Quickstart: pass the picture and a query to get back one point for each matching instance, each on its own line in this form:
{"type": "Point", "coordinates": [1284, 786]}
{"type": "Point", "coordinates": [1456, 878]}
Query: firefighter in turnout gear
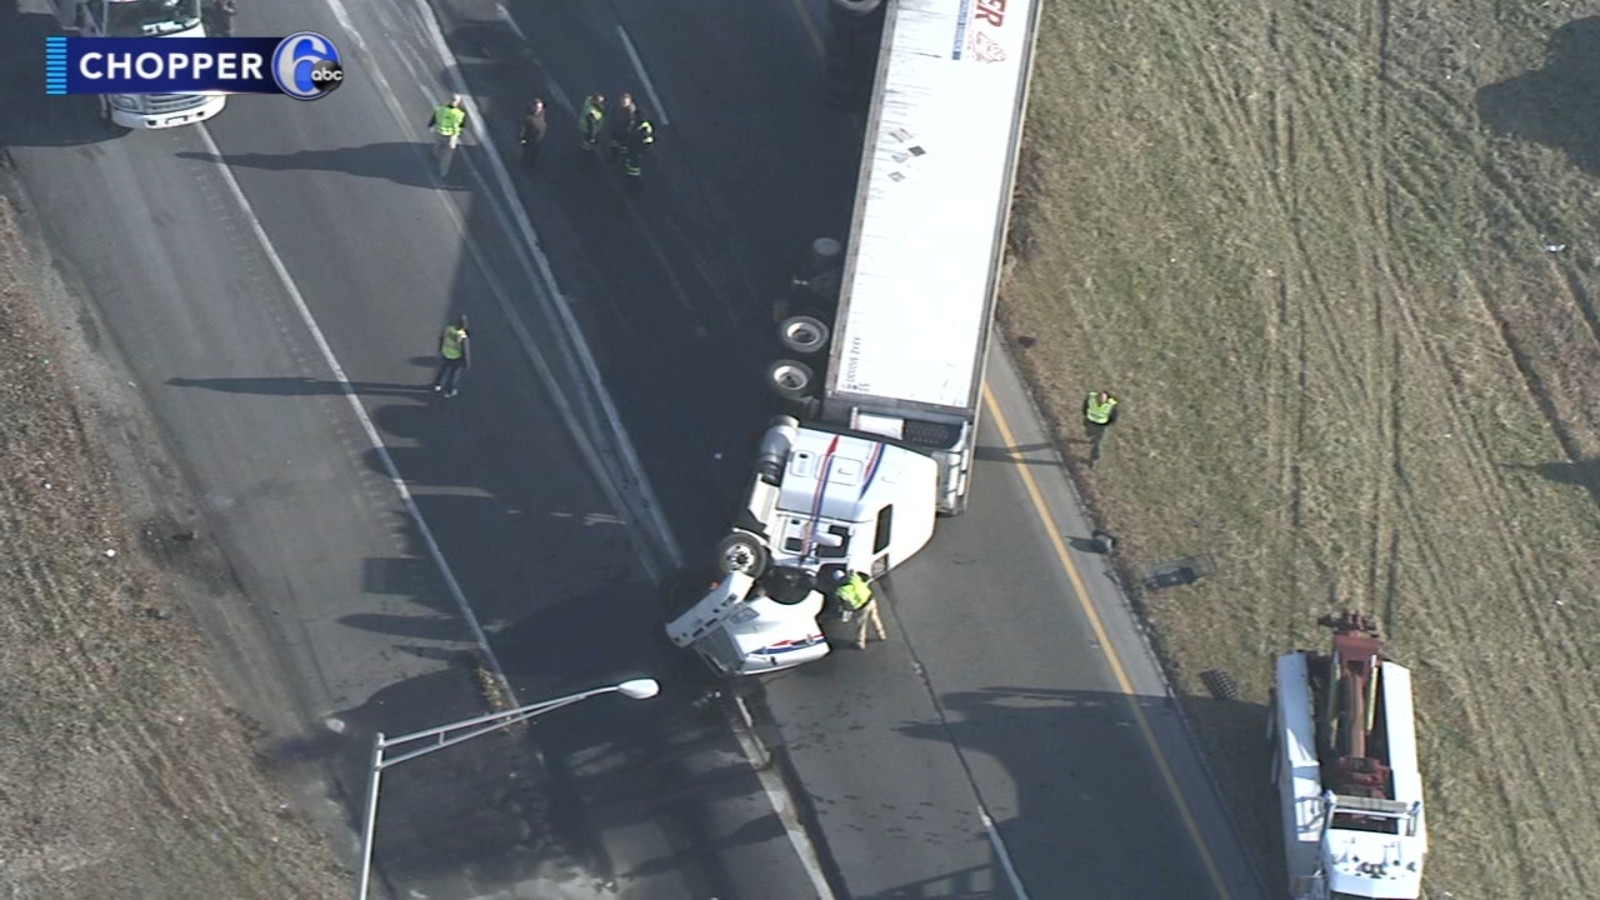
{"type": "Point", "coordinates": [592, 120]}
{"type": "Point", "coordinates": [640, 137]}
{"type": "Point", "coordinates": [1099, 411]}
{"type": "Point", "coordinates": [622, 119]}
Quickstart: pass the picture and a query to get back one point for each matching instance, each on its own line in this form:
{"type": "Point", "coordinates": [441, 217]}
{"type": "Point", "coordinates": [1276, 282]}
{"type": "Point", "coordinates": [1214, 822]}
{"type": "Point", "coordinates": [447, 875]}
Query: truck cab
{"type": "Point", "coordinates": [143, 18]}
{"type": "Point", "coordinates": [819, 498]}
{"type": "Point", "coordinates": [823, 497]}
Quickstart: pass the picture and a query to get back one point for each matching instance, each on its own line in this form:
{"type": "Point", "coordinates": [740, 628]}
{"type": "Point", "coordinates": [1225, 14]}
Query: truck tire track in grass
{"type": "Point", "coordinates": [1352, 371]}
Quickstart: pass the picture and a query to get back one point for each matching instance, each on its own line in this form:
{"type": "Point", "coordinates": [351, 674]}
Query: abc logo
{"type": "Point", "coordinates": [306, 66]}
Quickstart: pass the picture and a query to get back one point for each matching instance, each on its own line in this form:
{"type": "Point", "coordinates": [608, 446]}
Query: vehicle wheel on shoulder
{"type": "Point", "coordinates": [803, 334]}
{"type": "Point", "coordinates": [741, 552]}
{"type": "Point", "coordinates": [792, 379]}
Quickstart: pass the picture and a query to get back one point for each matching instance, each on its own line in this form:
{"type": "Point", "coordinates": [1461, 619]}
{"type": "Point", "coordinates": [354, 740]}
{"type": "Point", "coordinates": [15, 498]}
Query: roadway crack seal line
{"type": "Point", "coordinates": [350, 394]}
{"type": "Point", "coordinates": [1109, 651]}
{"type": "Point", "coordinates": [995, 840]}
{"type": "Point", "coordinates": [611, 474]}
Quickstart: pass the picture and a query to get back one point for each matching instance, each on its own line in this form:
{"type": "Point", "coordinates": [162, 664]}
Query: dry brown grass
{"type": "Point", "coordinates": [1284, 233]}
{"type": "Point", "coordinates": [122, 772]}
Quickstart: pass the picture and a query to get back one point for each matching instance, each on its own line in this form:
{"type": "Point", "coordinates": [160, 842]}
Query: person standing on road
{"type": "Point", "coordinates": [447, 121]}
{"type": "Point", "coordinates": [533, 128]}
{"type": "Point", "coordinates": [640, 137]}
{"type": "Point", "coordinates": [855, 603]}
{"type": "Point", "coordinates": [592, 120]}
{"type": "Point", "coordinates": [1099, 411]}
{"type": "Point", "coordinates": [455, 356]}
{"type": "Point", "coordinates": [622, 118]}
{"type": "Point", "coordinates": [217, 17]}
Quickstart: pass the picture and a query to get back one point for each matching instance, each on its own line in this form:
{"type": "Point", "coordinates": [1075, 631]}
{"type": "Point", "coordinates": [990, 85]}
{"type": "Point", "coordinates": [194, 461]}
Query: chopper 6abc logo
{"type": "Point", "coordinates": [306, 66]}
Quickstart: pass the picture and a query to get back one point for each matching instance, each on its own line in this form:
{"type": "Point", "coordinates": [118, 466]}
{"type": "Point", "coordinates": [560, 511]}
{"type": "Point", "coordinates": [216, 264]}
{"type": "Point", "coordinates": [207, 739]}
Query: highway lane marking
{"type": "Point", "coordinates": [1104, 639]}
{"type": "Point", "coordinates": [299, 300]}
{"type": "Point", "coordinates": [782, 803]}
{"type": "Point", "coordinates": [638, 66]}
{"type": "Point", "coordinates": [1017, 890]}
{"type": "Point", "coordinates": [652, 520]}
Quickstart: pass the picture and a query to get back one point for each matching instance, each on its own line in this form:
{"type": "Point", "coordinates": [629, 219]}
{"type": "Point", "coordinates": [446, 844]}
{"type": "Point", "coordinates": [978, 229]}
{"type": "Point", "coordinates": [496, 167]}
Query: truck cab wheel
{"type": "Point", "coordinates": [741, 552]}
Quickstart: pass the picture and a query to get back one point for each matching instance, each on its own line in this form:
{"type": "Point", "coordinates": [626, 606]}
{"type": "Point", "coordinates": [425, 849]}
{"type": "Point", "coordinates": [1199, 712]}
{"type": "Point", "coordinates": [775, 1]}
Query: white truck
{"type": "Point", "coordinates": [858, 477]}
{"type": "Point", "coordinates": [143, 18]}
{"type": "Point", "coordinates": [1345, 764]}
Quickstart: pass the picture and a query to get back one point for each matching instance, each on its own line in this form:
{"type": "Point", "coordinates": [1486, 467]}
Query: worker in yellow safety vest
{"type": "Point", "coordinates": [1099, 411]}
{"type": "Point", "coordinates": [448, 120]}
{"type": "Point", "coordinates": [858, 605]}
{"type": "Point", "coordinates": [454, 357]}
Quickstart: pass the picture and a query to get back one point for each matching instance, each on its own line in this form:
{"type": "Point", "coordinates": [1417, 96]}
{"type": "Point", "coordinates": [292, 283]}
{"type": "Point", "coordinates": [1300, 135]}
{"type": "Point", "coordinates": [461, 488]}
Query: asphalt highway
{"type": "Point", "coordinates": [990, 744]}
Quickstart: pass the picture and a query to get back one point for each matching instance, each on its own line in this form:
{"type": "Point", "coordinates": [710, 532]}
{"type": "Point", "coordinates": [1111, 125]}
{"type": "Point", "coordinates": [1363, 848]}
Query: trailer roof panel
{"type": "Point", "coordinates": [934, 195]}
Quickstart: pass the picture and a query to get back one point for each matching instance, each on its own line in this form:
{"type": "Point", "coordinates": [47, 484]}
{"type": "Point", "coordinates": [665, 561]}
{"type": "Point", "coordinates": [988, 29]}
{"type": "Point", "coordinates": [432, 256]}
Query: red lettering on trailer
{"type": "Point", "coordinates": [992, 11]}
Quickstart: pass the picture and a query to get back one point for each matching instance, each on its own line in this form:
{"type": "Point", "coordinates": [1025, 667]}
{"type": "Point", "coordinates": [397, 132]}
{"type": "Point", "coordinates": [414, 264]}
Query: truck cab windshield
{"type": "Point", "coordinates": [151, 18]}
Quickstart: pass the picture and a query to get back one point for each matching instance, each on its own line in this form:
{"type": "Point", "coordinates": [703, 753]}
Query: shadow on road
{"type": "Point", "coordinates": [1019, 455]}
{"type": "Point", "coordinates": [299, 386]}
{"type": "Point", "coordinates": [1558, 104]}
{"type": "Point", "coordinates": [402, 162]}
{"type": "Point", "coordinates": [29, 117]}
{"type": "Point", "coordinates": [1078, 821]}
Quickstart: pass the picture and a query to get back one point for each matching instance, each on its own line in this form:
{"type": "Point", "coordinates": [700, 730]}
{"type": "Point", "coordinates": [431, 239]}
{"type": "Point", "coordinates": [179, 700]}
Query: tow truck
{"type": "Point", "coordinates": [143, 18]}
{"type": "Point", "coordinates": [1345, 764]}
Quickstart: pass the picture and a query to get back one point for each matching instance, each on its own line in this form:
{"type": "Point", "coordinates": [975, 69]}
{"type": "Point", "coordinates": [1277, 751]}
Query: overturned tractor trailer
{"type": "Point", "coordinates": [1345, 765]}
{"type": "Point", "coordinates": [888, 347]}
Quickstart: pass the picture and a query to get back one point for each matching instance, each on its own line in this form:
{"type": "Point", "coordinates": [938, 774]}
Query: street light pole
{"type": "Point", "coordinates": [636, 689]}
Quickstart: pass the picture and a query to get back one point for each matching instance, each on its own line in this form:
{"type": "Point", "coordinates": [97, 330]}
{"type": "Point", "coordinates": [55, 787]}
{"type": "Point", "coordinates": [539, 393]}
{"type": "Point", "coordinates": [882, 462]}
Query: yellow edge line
{"type": "Point", "coordinates": [1105, 645]}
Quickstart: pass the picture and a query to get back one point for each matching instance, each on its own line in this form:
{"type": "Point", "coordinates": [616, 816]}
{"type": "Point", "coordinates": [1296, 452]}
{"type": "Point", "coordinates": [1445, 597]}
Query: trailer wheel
{"type": "Point", "coordinates": [803, 334]}
{"type": "Point", "coordinates": [741, 552]}
{"type": "Point", "coordinates": [791, 379]}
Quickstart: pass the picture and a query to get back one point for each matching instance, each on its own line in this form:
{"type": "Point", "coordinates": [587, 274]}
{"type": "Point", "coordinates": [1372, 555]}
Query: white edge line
{"type": "Point", "coordinates": [1005, 856]}
{"type": "Point", "coordinates": [638, 66]}
{"type": "Point", "coordinates": [564, 406]}
{"type": "Point", "coordinates": [361, 413]}
{"type": "Point", "coordinates": [652, 508]}
{"type": "Point", "coordinates": [778, 795]}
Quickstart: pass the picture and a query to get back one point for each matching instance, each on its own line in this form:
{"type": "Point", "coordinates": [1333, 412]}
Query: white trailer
{"type": "Point", "coordinates": [1345, 764]}
{"type": "Point", "coordinates": [922, 265]}
{"type": "Point", "coordinates": [144, 18]}
{"type": "Point", "coordinates": [890, 441]}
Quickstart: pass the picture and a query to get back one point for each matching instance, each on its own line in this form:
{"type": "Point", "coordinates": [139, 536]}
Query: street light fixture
{"type": "Point", "coordinates": [634, 689]}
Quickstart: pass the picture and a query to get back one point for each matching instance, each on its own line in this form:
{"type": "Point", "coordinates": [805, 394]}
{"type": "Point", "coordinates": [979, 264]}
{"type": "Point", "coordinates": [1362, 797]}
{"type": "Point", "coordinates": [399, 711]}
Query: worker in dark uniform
{"type": "Point", "coordinates": [533, 128]}
{"type": "Point", "coordinates": [640, 137]}
{"type": "Point", "coordinates": [217, 17]}
{"type": "Point", "coordinates": [622, 117]}
{"type": "Point", "coordinates": [1099, 411]}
